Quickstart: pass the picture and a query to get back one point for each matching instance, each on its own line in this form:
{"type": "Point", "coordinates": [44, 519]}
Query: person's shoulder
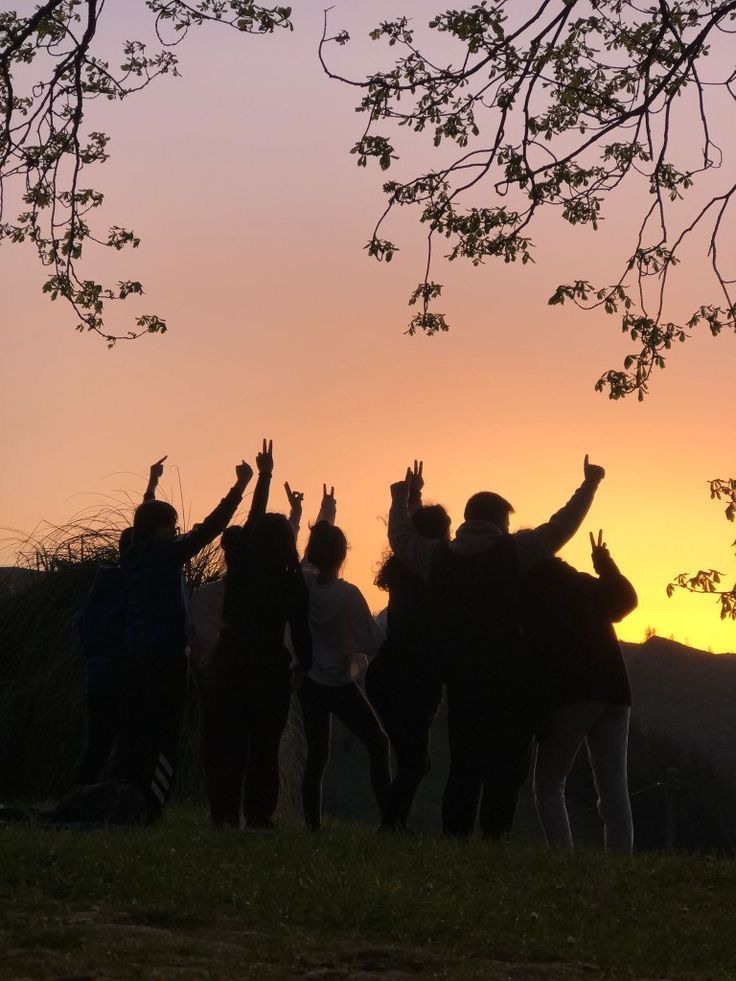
{"type": "Point", "coordinates": [351, 593]}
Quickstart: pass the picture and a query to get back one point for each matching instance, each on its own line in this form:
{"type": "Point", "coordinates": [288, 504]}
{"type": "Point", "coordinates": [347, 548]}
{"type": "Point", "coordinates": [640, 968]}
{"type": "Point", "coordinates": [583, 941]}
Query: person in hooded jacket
{"type": "Point", "coordinates": [156, 662]}
{"type": "Point", "coordinates": [102, 637]}
{"type": "Point", "coordinates": [474, 586]}
{"type": "Point", "coordinates": [402, 682]}
{"type": "Point", "coordinates": [344, 635]}
{"type": "Point", "coordinates": [567, 618]}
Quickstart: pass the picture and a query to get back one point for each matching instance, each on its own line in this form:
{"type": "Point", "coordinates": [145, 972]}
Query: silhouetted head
{"type": "Point", "coordinates": [125, 541]}
{"type": "Point", "coordinates": [327, 547]}
{"type": "Point", "coordinates": [487, 506]}
{"type": "Point", "coordinates": [154, 521]}
{"type": "Point", "coordinates": [432, 521]}
{"type": "Point", "coordinates": [270, 543]}
{"type": "Point", "coordinates": [263, 569]}
{"type": "Point", "coordinates": [231, 538]}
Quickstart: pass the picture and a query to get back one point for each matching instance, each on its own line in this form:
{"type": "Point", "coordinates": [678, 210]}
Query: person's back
{"type": "Point", "coordinates": [568, 621]}
{"type": "Point", "coordinates": [473, 612]}
{"type": "Point", "coordinates": [344, 634]}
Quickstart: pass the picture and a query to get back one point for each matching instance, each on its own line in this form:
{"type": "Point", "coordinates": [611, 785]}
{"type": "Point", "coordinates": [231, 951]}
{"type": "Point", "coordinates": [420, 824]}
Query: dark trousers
{"type": "Point", "coordinates": [104, 728]}
{"type": "Point", "coordinates": [246, 708]}
{"type": "Point", "coordinates": [406, 699]}
{"type": "Point", "coordinates": [490, 735]}
{"type": "Point", "coordinates": [154, 700]}
{"type": "Point", "coordinates": [319, 703]}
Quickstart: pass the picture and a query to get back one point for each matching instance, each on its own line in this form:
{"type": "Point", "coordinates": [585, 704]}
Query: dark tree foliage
{"type": "Point", "coordinates": [49, 74]}
{"type": "Point", "coordinates": [553, 105]}
{"type": "Point", "coordinates": [710, 581]}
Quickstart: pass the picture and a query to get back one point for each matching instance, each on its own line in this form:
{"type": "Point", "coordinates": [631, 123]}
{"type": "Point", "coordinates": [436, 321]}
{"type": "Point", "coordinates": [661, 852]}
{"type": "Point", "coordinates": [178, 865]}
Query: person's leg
{"type": "Point", "coordinates": [507, 754]}
{"type": "Point", "coordinates": [225, 745]}
{"type": "Point", "coordinates": [352, 708]}
{"type": "Point", "coordinates": [607, 742]}
{"type": "Point", "coordinates": [555, 756]}
{"type": "Point", "coordinates": [410, 738]}
{"type": "Point", "coordinates": [269, 709]}
{"type": "Point", "coordinates": [317, 725]}
{"type": "Point", "coordinates": [465, 720]}
{"type": "Point", "coordinates": [103, 731]}
{"type": "Point", "coordinates": [169, 678]}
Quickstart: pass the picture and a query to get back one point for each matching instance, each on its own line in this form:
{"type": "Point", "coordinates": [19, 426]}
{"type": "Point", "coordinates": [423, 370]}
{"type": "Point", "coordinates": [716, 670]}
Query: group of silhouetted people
{"type": "Point", "coordinates": [520, 645]}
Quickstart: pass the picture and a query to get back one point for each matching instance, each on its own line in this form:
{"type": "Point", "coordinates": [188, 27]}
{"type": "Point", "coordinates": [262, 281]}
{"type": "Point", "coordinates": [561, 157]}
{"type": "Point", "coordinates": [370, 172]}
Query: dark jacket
{"type": "Point", "coordinates": [408, 627]}
{"type": "Point", "coordinates": [473, 614]}
{"type": "Point", "coordinates": [155, 583]}
{"type": "Point", "coordinates": [102, 630]}
{"type": "Point", "coordinates": [567, 620]}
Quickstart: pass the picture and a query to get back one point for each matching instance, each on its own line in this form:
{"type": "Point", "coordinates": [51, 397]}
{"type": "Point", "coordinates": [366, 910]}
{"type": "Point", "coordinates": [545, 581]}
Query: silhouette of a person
{"type": "Point", "coordinates": [102, 636]}
{"type": "Point", "coordinates": [402, 681]}
{"type": "Point", "coordinates": [156, 638]}
{"type": "Point", "coordinates": [344, 635]}
{"type": "Point", "coordinates": [249, 680]}
{"type": "Point", "coordinates": [567, 619]}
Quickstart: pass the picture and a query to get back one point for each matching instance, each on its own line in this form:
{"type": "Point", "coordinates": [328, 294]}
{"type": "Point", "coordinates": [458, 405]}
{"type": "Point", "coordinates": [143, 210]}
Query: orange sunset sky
{"type": "Point", "coordinates": [253, 217]}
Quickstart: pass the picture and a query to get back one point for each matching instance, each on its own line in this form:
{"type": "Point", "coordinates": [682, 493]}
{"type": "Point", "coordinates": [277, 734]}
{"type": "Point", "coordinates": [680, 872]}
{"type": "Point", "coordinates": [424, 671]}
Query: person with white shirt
{"type": "Point", "coordinates": [344, 636]}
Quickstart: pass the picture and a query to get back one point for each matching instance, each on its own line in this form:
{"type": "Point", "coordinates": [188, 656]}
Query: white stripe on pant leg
{"type": "Point", "coordinates": [164, 763]}
{"type": "Point", "coordinates": [162, 778]}
{"type": "Point", "coordinates": [161, 797]}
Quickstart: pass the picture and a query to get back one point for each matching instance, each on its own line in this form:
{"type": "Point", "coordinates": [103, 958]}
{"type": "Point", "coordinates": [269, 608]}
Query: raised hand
{"type": "Point", "coordinates": [592, 471]}
{"type": "Point", "coordinates": [264, 459]}
{"type": "Point", "coordinates": [328, 500]}
{"type": "Point", "coordinates": [400, 489]}
{"type": "Point", "coordinates": [295, 498]}
{"type": "Point", "coordinates": [243, 472]}
{"type": "Point", "coordinates": [157, 470]}
{"type": "Point", "coordinates": [599, 551]}
{"type": "Point", "coordinates": [416, 478]}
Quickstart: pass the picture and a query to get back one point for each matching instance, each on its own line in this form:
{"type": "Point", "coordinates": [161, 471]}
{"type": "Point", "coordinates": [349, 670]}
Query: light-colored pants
{"type": "Point", "coordinates": [605, 730]}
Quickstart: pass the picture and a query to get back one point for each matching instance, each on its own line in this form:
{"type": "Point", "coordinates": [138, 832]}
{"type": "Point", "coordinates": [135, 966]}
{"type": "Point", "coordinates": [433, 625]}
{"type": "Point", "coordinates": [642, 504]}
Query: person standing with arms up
{"type": "Point", "coordinates": [102, 636]}
{"type": "Point", "coordinates": [249, 678]}
{"type": "Point", "coordinates": [568, 619]}
{"type": "Point", "coordinates": [402, 681]}
{"type": "Point", "coordinates": [344, 635]}
{"type": "Point", "coordinates": [156, 638]}
{"type": "Point", "coordinates": [474, 583]}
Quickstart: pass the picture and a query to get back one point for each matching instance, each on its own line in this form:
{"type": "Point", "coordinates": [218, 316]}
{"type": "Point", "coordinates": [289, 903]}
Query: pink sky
{"type": "Point", "coordinates": [253, 218]}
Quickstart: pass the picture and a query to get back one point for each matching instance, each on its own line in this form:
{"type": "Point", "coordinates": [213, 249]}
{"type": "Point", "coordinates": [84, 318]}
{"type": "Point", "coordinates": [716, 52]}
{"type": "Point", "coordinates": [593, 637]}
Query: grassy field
{"type": "Point", "coordinates": [182, 901]}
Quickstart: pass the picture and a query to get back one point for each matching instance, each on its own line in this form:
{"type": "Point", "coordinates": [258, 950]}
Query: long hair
{"type": "Point", "coordinates": [264, 578]}
{"type": "Point", "coordinates": [430, 521]}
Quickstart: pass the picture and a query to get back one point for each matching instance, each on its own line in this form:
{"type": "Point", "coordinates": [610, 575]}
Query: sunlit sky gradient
{"type": "Point", "coordinates": [253, 217]}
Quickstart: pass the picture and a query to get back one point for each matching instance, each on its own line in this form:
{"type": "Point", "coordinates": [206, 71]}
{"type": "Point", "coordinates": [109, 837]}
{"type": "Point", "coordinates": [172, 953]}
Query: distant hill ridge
{"type": "Point", "coordinates": [686, 693]}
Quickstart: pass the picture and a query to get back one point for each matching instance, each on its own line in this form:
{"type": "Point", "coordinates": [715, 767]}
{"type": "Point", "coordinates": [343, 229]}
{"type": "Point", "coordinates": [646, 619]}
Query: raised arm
{"type": "Point", "coordinates": [296, 501]}
{"type": "Point", "coordinates": [409, 547]}
{"type": "Point", "coordinates": [328, 507]}
{"type": "Point", "coordinates": [155, 474]}
{"type": "Point", "coordinates": [542, 542]}
{"type": "Point", "coordinates": [264, 464]}
{"type": "Point", "coordinates": [215, 523]}
{"type": "Point", "coordinates": [616, 596]}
